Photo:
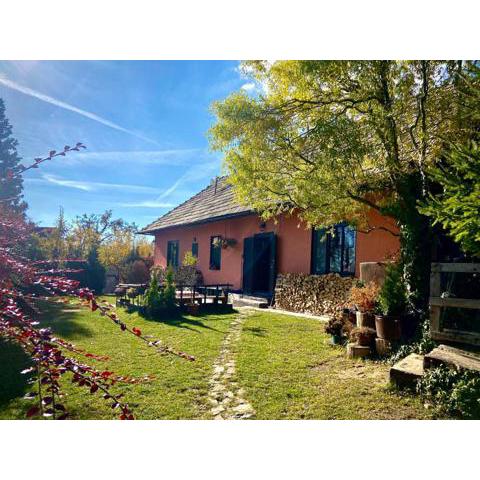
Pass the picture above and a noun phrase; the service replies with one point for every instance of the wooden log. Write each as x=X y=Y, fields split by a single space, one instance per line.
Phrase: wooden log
x=357 y=351
x=383 y=347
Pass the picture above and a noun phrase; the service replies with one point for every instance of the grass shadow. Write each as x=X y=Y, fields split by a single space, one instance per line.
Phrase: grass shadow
x=62 y=321
x=13 y=360
x=177 y=318
x=182 y=321
x=257 y=331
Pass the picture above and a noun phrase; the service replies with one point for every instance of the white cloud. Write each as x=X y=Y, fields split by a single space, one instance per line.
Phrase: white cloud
x=66 y=106
x=178 y=156
x=195 y=173
x=248 y=86
x=95 y=186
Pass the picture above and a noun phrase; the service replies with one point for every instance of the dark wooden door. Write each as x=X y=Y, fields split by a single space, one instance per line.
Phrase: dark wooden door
x=259 y=263
x=248 y=262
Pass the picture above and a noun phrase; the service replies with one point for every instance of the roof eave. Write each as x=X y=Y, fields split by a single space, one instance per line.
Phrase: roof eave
x=152 y=231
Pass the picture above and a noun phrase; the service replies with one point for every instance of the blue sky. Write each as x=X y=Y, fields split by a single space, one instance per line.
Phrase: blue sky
x=144 y=123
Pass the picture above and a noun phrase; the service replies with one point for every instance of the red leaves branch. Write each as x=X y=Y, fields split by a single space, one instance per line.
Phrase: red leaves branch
x=48 y=353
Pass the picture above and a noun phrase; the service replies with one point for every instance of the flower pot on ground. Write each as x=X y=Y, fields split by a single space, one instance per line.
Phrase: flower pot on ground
x=336 y=339
x=365 y=319
x=388 y=327
x=334 y=328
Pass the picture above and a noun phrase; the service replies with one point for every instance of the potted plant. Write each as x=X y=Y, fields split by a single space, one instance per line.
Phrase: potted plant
x=392 y=303
x=334 y=327
x=225 y=242
x=364 y=297
x=363 y=336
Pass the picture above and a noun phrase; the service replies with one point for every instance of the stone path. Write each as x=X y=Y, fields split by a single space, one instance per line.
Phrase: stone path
x=227 y=399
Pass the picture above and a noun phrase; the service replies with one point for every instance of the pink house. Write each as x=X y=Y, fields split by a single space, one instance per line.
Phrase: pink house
x=234 y=245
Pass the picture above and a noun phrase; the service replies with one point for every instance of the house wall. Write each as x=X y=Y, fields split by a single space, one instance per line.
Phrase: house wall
x=293 y=245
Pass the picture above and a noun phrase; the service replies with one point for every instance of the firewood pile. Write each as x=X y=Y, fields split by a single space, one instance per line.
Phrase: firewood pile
x=315 y=294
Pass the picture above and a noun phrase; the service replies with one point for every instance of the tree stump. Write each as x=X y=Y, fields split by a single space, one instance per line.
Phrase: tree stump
x=357 y=351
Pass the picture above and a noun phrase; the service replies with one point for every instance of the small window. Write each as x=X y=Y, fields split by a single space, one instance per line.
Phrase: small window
x=334 y=253
x=172 y=253
x=195 y=249
x=215 y=253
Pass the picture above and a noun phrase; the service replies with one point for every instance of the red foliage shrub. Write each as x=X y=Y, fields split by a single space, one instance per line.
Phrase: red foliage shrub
x=19 y=307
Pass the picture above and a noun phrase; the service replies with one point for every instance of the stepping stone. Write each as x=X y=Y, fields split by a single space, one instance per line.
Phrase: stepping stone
x=407 y=372
x=218 y=410
x=452 y=357
x=243 y=409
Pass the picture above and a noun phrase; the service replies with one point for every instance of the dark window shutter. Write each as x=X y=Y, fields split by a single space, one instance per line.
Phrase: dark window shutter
x=195 y=249
x=273 y=261
x=172 y=253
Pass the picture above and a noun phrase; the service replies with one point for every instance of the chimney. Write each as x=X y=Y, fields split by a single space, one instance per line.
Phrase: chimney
x=216 y=183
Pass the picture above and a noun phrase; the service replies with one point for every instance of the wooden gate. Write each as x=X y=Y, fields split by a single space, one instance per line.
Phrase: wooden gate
x=439 y=301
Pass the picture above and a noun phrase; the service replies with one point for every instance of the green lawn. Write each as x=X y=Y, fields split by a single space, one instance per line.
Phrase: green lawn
x=290 y=371
x=178 y=391
x=284 y=363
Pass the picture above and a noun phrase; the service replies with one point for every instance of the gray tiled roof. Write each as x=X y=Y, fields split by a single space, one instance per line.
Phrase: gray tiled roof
x=213 y=203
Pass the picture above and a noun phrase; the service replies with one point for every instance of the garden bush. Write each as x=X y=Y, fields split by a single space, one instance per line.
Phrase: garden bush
x=160 y=302
x=186 y=275
x=392 y=297
x=452 y=392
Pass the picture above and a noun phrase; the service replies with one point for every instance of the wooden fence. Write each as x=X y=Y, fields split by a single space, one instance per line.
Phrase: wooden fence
x=438 y=302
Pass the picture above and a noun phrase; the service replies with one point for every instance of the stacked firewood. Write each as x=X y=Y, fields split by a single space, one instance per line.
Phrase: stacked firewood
x=316 y=294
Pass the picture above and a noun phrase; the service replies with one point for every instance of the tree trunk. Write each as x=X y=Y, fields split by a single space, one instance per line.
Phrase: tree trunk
x=416 y=243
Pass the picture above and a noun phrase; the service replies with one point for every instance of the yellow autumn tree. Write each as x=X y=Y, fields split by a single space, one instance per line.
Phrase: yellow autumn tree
x=115 y=252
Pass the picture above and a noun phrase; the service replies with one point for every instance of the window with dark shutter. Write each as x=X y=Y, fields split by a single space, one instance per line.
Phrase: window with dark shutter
x=334 y=252
x=215 y=253
x=172 y=253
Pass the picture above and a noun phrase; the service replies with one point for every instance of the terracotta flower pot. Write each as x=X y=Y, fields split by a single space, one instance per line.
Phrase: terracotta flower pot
x=365 y=319
x=388 y=327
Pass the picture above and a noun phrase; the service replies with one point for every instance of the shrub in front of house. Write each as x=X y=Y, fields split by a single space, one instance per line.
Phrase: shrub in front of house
x=392 y=303
x=185 y=275
x=160 y=302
